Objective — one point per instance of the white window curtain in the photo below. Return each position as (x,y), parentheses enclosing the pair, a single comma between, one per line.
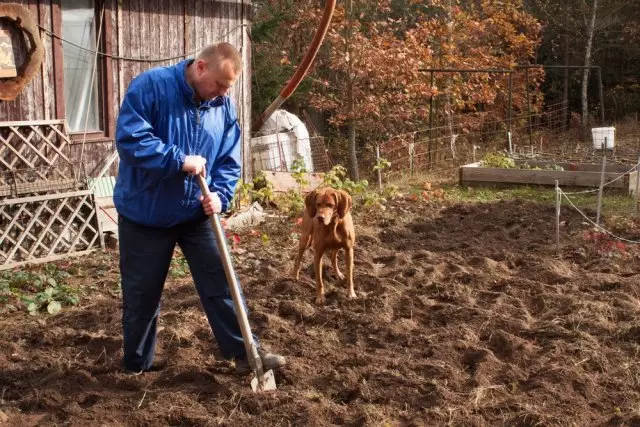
(81,97)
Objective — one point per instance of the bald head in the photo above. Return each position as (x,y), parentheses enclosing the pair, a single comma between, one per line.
(213,72)
(218,53)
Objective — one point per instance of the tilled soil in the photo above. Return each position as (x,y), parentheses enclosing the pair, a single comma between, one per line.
(465,316)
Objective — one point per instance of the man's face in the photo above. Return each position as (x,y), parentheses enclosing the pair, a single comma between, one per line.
(214,79)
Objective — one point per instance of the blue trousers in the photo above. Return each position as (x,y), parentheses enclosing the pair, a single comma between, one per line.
(145,256)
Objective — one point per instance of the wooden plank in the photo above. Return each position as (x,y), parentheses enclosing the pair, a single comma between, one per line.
(175,44)
(48,91)
(283,181)
(58,55)
(245,98)
(470,174)
(121,51)
(199,25)
(106,75)
(46,259)
(7,202)
(36,98)
(32,122)
(143,35)
(190,27)
(132,39)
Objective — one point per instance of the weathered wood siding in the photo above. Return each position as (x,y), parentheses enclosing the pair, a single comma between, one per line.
(135,29)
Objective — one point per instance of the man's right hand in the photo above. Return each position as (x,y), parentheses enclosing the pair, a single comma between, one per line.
(194,165)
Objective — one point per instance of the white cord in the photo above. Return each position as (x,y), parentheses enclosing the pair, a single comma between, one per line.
(596,225)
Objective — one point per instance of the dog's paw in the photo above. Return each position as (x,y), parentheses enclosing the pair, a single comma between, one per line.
(320,300)
(340,275)
(352,295)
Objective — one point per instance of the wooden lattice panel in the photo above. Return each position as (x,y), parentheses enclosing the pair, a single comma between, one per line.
(44,228)
(34,158)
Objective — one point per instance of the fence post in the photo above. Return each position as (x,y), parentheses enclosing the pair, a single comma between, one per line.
(558,203)
(604,165)
(412,147)
(378,164)
(637,186)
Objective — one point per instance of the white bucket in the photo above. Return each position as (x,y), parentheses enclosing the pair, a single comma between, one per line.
(599,135)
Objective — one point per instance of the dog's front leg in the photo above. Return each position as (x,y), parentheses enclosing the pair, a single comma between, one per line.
(303,244)
(349,260)
(317,262)
(334,262)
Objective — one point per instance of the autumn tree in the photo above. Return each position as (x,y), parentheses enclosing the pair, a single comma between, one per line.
(586,32)
(367,76)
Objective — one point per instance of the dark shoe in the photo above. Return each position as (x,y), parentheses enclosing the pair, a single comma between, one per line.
(269,361)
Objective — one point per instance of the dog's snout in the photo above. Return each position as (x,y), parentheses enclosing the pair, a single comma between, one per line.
(320,218)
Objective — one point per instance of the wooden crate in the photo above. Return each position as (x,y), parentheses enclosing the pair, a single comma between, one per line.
(573,175)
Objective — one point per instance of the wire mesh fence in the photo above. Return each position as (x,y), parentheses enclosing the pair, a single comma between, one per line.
(278,151)
(467,140)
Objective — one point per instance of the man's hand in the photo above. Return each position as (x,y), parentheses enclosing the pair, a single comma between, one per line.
(211,204)
(194,165)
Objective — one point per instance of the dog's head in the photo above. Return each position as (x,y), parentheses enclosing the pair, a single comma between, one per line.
(327,203)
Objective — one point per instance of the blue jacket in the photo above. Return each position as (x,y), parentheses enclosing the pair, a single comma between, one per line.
(158,125)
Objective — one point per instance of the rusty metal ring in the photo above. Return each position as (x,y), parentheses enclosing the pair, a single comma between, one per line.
(11,87)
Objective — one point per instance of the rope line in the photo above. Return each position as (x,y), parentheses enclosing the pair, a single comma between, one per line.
(593,223)
(126,58)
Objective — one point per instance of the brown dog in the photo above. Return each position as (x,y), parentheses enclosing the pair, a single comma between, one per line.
(327,224)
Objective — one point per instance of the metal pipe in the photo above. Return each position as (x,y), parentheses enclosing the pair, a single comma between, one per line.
(431,119)
(464,70)
(526,73)
(510,110)
(601,95)
(302,68)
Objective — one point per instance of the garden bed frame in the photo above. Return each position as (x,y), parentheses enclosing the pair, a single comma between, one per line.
(572,175)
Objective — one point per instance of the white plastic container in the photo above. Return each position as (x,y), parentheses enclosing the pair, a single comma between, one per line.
(599,135)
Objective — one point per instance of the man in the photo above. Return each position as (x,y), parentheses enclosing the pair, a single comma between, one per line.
(175,123)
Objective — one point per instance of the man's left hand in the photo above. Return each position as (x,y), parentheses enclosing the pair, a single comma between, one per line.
(211,203)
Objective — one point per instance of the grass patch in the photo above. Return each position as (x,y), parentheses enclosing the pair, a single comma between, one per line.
(614,202)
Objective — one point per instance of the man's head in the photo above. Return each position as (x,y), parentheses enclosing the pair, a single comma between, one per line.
(214,71)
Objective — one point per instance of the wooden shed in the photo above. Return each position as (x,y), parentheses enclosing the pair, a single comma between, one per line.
(57,132)
(135,36)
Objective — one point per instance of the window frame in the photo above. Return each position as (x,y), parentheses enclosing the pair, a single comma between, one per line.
(104,73)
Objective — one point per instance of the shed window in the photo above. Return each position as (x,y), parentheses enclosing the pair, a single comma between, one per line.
(82,97)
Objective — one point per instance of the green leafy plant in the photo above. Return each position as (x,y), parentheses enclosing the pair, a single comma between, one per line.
(337,178)
(242,194)
(39,291)
(293,201)
(262,190)
(381,164)
(298,172)
(179,267)
(498,160)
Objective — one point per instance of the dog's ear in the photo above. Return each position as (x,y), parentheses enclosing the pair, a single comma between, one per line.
(344,202)
(310,203)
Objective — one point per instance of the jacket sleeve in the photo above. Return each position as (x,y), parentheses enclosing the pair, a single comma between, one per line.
(225,173)
(136,142)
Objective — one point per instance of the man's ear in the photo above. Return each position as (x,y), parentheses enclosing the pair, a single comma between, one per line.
(310,203)
(344,203)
